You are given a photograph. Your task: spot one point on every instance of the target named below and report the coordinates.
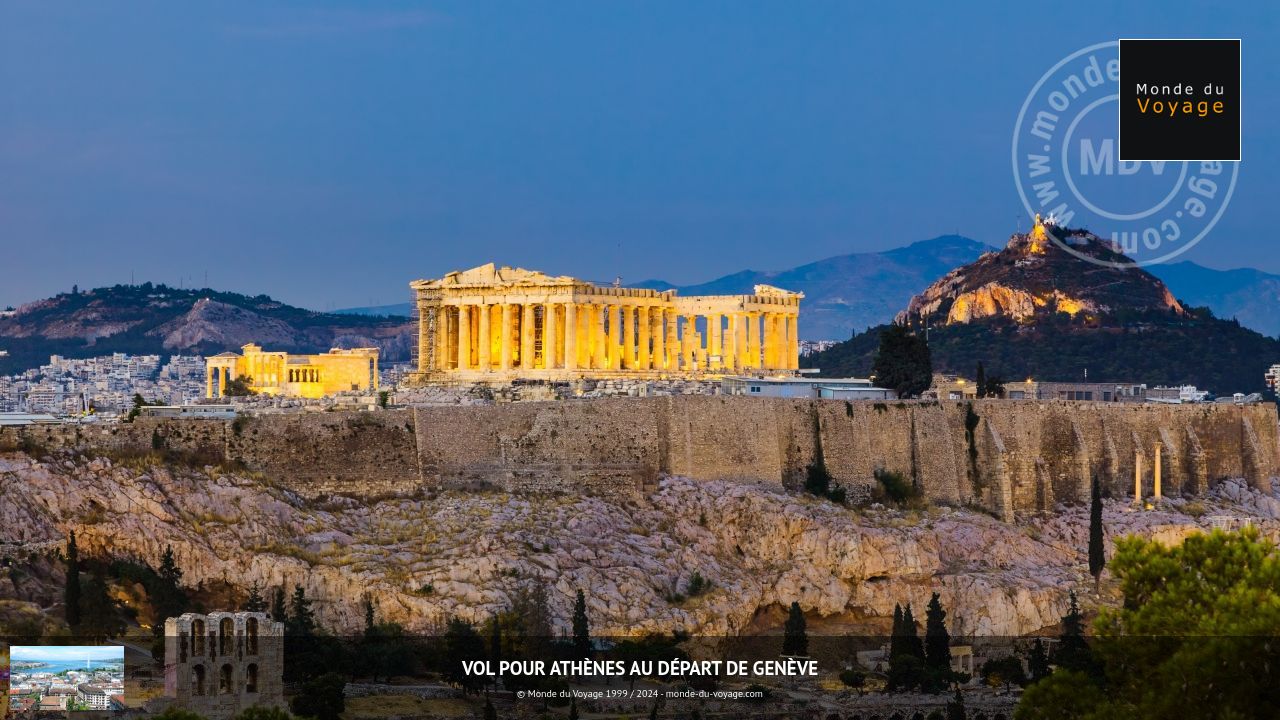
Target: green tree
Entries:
(321, 698)
(255, 602)
(903, 363)
(240, 386)
(1193, 638)
(1037, 662)
(1073, 652)
(490, 713)
(581, 627)
(301, 621)
(937, 646)
(1097, 551)
(278, 608)
(980, 381)
(462, 644)
(99, 620)
(795, 639)
(906, 655)
(1004, 671)
(71, 594)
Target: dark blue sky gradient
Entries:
(327, 154)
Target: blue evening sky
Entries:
(328, 153)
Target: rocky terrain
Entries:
(437, 555)
(1033, 275)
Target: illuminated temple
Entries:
(280, 373)
(501, 324)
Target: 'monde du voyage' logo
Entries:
(1067, 166)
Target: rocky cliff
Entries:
(432, 555)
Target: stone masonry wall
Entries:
(1009, 456)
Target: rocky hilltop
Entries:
(155, 319)
(1033, 276)
(429, 556)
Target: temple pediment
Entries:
(771, 291)
(490, 275)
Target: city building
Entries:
(492, 324)
(282, 373)
(802, 387)
(1273, 378)
(214, 412)
(952, 387)
(91, 696)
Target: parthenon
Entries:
(497, 324)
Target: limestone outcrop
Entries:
(428, 556)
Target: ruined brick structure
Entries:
(219, 664)
(1009, 456)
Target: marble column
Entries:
(485, 344)
(769, 340)
(464, 337)
(528, 324)
(599, 341)
(444, 338)
(570, 336)
(792, 341)
(614, 360)
(673, 340)
(424, 319)
(642, 339)
(628, 337)
(729, 347)
(550, 327)
(208, 381)
(753, 340)
(715, 344)
(505, 338)
(658, 329)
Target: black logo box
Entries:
(1184, 64)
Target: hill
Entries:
(1035, 310)
(156, 319)
(1248, 295)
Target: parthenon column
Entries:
(443, 338)
(729, 347)
(485, 343)
(792, 341)
(550, 347)
(527, 323)
(642, 343)
(658, 328)
(769, 339)
(464, 337)
(504, 336)
(614, 361)
(715, 347)
(570, 336)
(424, 362)
(599, 349)
(628, 337)
(753, 340)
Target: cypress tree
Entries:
(937, 645)
(895, 639)
(1097, 555)
(1038, 662)
(981, 381)
(278, 612)
(489, 712)
(581, 627)
(368, 616)
(255, 602)
(911, 634)
(71, 595)
(573, 709)
(795, 639)
(302, 620)
(955, 708)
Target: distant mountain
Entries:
(155, 319)
(1034, 310)
(396, 310)
(1248, 295)
(849, 292)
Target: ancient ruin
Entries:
(219, 664)
(281, 373)
(492, 324)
